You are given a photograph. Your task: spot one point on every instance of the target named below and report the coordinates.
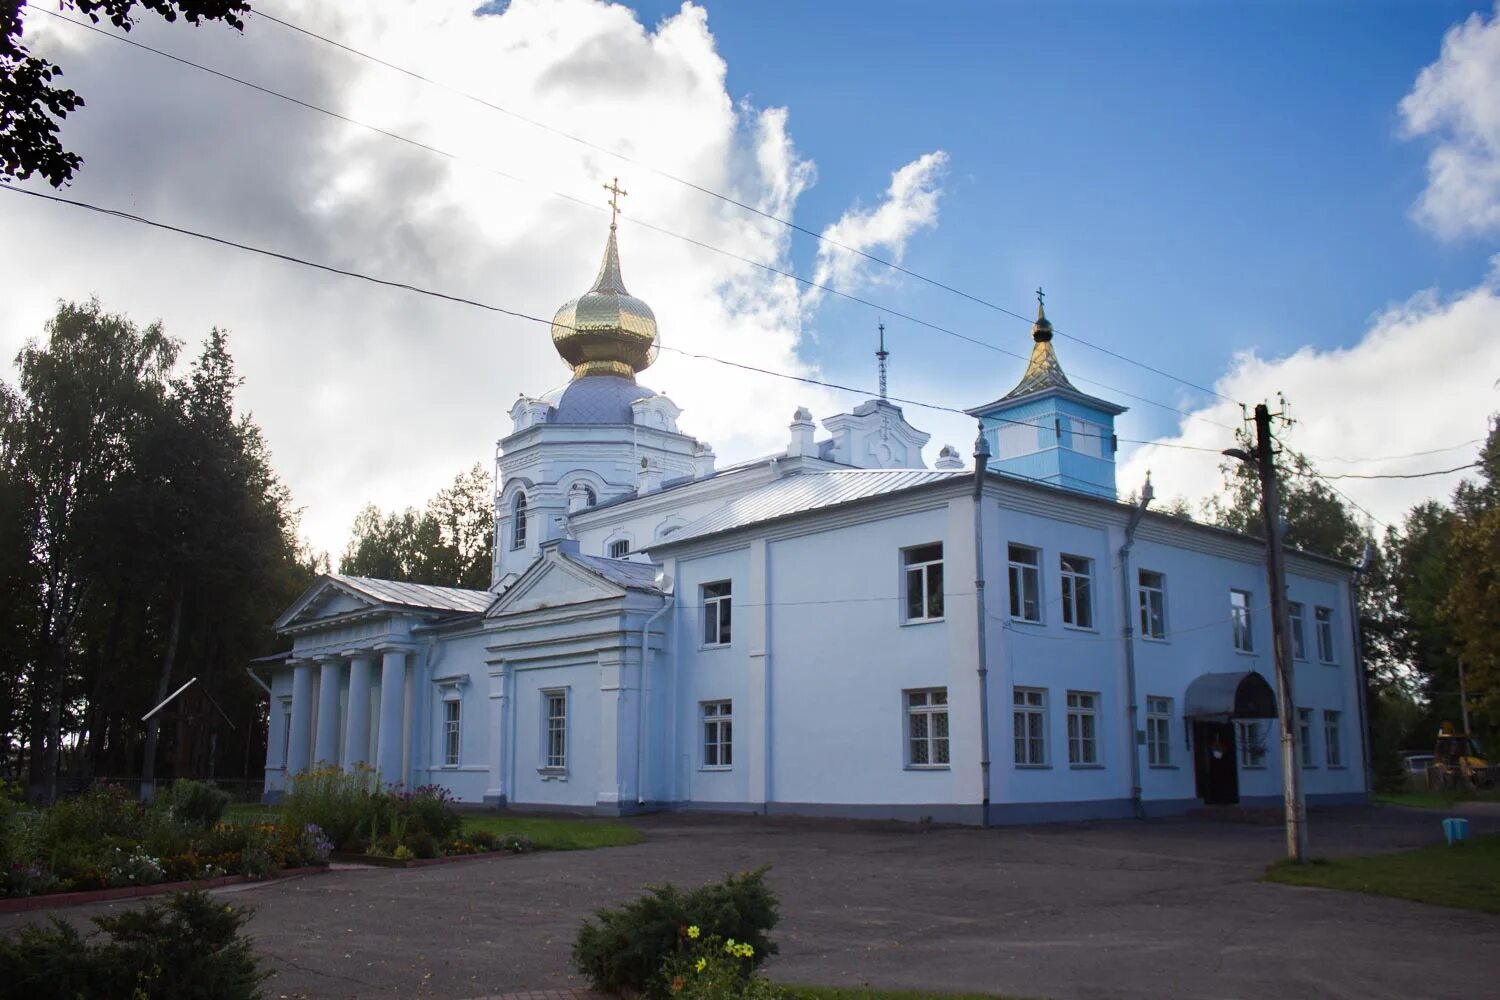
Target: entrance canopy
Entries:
(1230, 696)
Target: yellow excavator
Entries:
(1458, 761)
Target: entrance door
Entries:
(1213, 758)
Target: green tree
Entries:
(1473, 598)
(33, 104)
(448, 544)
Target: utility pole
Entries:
(1264, 459)
(1463, 697)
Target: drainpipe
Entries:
(256, 678)
(981, 459)
(640, 701)
(1136, 513)
(1363, 702)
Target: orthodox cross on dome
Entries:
(615, 191)
(1040, 296)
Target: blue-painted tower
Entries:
(1046, 429)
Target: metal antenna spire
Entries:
(880, 357)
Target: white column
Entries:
(496, 793)
(326, 750)
(616, 719)
(357, 732)
(388, 753)
(297, 746)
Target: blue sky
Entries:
(1186, 179)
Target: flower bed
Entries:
(104, 840)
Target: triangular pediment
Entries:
(553, 582)
(325, 600)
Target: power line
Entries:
(1395, 458)
(517, 314)
(727, 199)
(1403, 475)
(449, 155)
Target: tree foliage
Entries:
(145, 536)
(33, 103)
(449, 543)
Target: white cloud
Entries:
(910, 205)
(369, 394)
(1422, 377)
(1457, 99)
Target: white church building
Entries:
(833, 630)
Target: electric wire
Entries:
(517, 314)
(626, 158)
(1400, 475)
(449, 155)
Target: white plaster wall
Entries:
(579, 788)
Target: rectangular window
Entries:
(1333, 747)
(1239, 616)
(1025, 584)
(452, 735)
(619, 549)
(1158, 731)
(1304, 736)
(927, 728)
(1077, 591)
(1083, 728)
(1325, 634)
(718, 734)
(1252, 740)
(1153, 594)
(923, 569)
(286, 737)
(555, 704)
(716, 613)
(1299, 644)
(1030, 722)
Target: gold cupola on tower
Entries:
(606, 330)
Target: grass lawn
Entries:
(1435, 800)
(863, 993)
(546, 834)
(1466, 876)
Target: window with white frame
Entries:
(1025, 584)
(1029, 720)
(555, 717)
(922, 568)
(1325, 634)
(1158, 731)
(1304, 736)
(1251, 737)
(927, 728)
(286, 735)
(1332, 745)
(1077, 591)
(718, 733)
(1083, 728)
(716, 607)
(1294, 614)
(1239, 617)
(518, 522)
(452, 732)
(1153, 601)
(619, 549)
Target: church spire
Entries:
(880, 358)
(1041, 330)
(1043, 371)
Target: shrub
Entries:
(709, 968)
(185, 948)
(196, 804)
(339, 804)
(102, 811)
(423, 844)
(629, 945)
(515, 843)
(430, 808)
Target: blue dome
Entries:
(597, 399)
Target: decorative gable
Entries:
(553, 581)
(326, 600)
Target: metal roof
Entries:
(639, 576)
(803, 492)
(417, 595)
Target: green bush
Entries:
(185, 948)
(423, 844)
(630, 945)
(196, 804)
(340, 804)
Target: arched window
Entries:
(619, 549)
(518, 522)
(590, 498)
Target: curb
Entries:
(376, 861)
(59, 899)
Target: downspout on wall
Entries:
(640, 701)
(1128, 633)
(981, 460)
(1359, 662)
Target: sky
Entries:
(1250, 198)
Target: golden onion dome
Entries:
(606, 330)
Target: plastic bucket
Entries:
(1456, 830)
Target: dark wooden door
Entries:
(1213, 758)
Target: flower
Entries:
(677, 984)
(701, 963)
(693, 932)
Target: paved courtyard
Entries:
(1169, 908)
